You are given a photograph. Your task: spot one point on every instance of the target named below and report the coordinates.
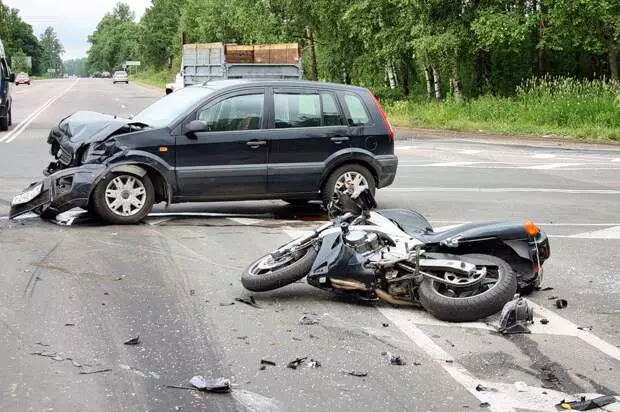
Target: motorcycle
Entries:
(459, 274)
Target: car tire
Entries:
(4, 123)
(355, 170)
(141, 190)
(10, 116)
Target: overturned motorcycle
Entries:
(460, 274)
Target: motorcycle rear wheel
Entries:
(435, 300)
(266, 274)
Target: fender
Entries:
(350, 155)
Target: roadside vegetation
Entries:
(560, 107)
(152, 78)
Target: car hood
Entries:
(88, 127)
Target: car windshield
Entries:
(167, 109)
(120, 73)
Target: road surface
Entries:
(80, 291)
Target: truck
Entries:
(203, 62)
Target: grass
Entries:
(153, 78)
(547, 106)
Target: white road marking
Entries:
(245, 220)
(609, 233)
(543, 156)
(471, 151)
(406, 147)
(452, 164)
(25, 123)
(502, 190)
(616, 159)
(552, 166)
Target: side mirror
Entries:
(195, 126)
(12, 77)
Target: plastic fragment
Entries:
(385, 325)
(307, 320)
(296, 362)
(545, 289)
(397, 360)
(516, 316)
(227, 304)
(69, 324)
(521, 386)
(561, 303)
(133, 341)
(586, 328)
(359, 374)
(544, 321)
(95, 371)
(485, 405)
(314, 364)
(251, 302)
(584, 405)
(218, 385)
(267, 362)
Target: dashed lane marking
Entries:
(543, 156)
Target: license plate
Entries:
(28, 195)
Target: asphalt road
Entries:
(80, 291)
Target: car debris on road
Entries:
(217, 385)
(516, 316)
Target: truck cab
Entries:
(6, 78)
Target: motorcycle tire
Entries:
(472, 308)
(292, 272)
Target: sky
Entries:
(73, 20)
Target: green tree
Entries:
(77, 67)
(19, 62)
(18, 36)
(115, 40)
(158, 34)
(51, 50)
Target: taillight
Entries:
(384, 117)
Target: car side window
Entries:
(297, 110)
(331, 112)
(358, 116)
(243, 112)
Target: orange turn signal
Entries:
(163, 149)
(530, 228)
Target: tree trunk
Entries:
(312, 52)
(456, 83)
(391, 76)
(429, 82)
(613, 62)
(437, 84)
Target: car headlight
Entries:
(28, 195)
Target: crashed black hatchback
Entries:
(225, 140)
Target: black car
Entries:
(6, 78)
(223, 140)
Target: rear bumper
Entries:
(387, 170)
(62, 191)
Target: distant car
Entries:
(106, 75)
(120, 77)
(223, 140)
(22, 78)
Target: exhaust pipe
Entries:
(383, 295)
(348, 284)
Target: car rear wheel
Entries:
(349, 174)
(123, 198)
(4, 123)
(10, 115)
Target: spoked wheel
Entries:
(482, 294)
(268, 273)
(349, 175)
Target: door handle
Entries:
(256, 143)
(339, 139)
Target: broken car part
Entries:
(296, 362)
(516, 316)
(133, 341)
(587, 404)
(218, 385)
(561, 303)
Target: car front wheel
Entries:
(122, 198)
(350, 174)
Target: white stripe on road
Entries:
(609, 233)
(471, 151)
(543, 156)
(25, 123)
(501, 190)
(616, 159)
(552, 166)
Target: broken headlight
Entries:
(28, 195)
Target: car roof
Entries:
(243, 83)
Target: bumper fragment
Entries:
(387, 173)
(61, 191)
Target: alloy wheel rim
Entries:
(125, 195)
(351, 178)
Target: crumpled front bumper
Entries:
(62, 191)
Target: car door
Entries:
(307, 128)
(228, 160)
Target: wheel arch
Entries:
(163, 191)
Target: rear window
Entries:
(358, 115)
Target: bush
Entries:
(560, 106)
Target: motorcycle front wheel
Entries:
(267, 273)
(472, 304)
